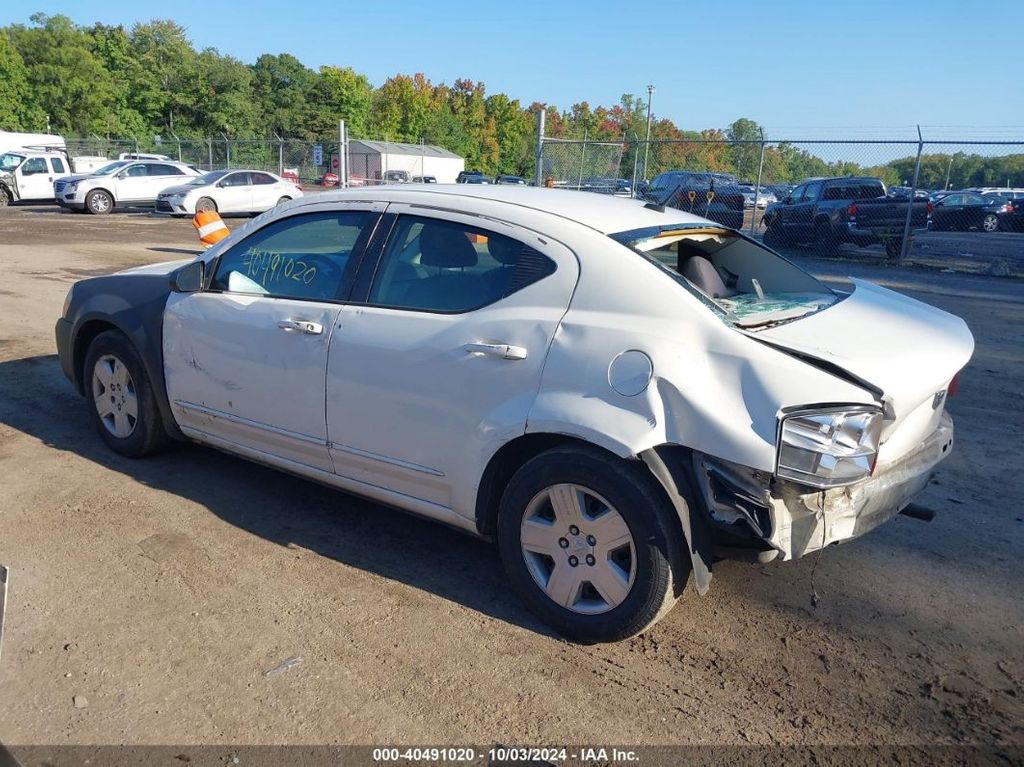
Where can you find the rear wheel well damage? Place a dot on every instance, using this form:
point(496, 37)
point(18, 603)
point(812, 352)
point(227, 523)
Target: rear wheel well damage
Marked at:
point(667, 465)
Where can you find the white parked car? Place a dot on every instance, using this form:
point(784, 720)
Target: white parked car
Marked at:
point(227, 191)
point(618, 393)
point(121, 183)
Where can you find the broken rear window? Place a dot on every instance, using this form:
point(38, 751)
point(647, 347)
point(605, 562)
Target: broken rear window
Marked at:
point(748, 285)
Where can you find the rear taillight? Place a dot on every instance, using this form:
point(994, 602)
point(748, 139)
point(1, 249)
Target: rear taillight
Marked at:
point(930, 207)
point(851, 210)
point(954, 385)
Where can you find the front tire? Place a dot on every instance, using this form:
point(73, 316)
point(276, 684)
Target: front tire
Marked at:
point(588, 541)
point(206, 205)
point(122, 401)
point(773, 237)
point(98, 202)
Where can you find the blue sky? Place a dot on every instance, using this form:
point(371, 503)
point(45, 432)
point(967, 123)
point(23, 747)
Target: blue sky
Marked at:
point(789, 65)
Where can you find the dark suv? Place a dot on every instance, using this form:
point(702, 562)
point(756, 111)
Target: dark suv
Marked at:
point(713, 195)
point(471, 177)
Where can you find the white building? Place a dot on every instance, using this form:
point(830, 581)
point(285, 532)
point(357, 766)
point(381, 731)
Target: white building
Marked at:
point(370, 160)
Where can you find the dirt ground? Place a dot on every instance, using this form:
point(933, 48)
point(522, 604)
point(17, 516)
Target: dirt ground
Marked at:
point(148, 599)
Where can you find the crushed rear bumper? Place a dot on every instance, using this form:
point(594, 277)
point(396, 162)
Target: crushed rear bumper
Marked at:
point(792, 519)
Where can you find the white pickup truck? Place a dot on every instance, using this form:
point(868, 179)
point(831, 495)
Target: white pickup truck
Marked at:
point(29, 174)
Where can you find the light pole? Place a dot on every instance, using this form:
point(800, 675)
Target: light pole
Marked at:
point(647, 141)
point(949, 168)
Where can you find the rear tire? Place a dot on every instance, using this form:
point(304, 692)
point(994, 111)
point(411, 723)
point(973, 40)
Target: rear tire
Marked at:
point(5, 198)
point(99, 203)
point(618, 527)
point(893, 248)
point(205, 205)
point(121, 398)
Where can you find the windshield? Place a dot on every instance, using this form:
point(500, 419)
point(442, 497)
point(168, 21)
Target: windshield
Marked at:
point(209, 178)
point(745, 283)
point(10, 161)
point(106, 170)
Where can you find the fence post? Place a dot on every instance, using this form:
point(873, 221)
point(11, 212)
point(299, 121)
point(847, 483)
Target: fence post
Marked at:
point(227, 150)
point(757, 186)
point(583, 157)
point(636, 161)
point(209, 147)
point(280, 154)
point(538, 160)
point(342, 159)
point(905, 244)
point(178, 142)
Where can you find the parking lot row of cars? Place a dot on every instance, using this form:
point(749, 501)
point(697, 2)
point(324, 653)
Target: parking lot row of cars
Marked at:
point(138, 180)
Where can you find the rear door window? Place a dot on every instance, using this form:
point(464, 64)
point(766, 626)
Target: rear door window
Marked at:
point(159, 169)
point(57, 164)
point(442, 266)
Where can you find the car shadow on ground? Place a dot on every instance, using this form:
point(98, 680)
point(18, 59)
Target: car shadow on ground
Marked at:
point(37, 400)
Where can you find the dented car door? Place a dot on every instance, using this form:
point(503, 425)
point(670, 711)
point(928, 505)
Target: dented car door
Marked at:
point(246, 359)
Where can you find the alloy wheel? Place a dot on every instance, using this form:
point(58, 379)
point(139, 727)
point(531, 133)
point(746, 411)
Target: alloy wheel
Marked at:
point(115, 397)
point(578, 549)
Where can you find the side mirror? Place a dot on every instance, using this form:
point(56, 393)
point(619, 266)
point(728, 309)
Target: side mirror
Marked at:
point(189, 278)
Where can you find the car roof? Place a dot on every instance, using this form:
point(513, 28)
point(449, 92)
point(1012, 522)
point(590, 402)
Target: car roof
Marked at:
point(604, 213)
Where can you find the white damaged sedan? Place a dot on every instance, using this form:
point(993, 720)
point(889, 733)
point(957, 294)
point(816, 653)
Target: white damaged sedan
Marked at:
point(227, 191)
point(617, 393)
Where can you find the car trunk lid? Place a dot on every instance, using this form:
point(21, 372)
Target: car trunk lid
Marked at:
point(904, 350)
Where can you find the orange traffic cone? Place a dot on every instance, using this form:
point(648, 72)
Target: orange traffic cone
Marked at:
point(210, 227)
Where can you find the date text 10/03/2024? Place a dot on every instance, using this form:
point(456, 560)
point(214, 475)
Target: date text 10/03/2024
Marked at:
point(506, 754)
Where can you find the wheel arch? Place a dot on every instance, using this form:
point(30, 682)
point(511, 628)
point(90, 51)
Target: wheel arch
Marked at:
point(133, 307)
point(667, 465)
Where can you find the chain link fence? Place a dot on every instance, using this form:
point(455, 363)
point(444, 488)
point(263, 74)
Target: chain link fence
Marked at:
point(280, 156)
point(753, 182)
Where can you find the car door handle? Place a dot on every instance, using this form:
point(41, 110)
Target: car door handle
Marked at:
point(504, 351)
point(312, 328)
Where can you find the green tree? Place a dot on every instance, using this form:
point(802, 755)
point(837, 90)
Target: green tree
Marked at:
point(284, 91)
point(66, 81)
point(746, 153)
point(18, 109)
point(341, 94)
point(163, 74)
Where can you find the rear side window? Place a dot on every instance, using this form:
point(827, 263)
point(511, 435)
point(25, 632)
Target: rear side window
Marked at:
point(57, 164)
point(441, 266)
point(159, 169)
point(306, 257)
point(262, 178)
